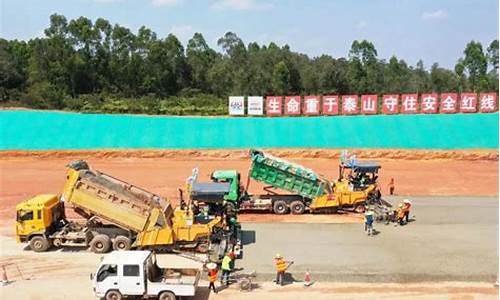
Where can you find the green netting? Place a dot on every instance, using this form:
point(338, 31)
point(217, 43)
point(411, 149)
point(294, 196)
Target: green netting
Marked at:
point(38, 130)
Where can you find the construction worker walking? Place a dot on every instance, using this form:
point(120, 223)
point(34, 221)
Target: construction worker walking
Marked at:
point(281, 267)
point(212, 276)
point(391, 186)
point(226, 267)
point(369, 216)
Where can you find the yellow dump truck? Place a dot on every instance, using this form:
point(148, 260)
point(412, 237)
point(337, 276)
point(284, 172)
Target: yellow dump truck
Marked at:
point(116, 215)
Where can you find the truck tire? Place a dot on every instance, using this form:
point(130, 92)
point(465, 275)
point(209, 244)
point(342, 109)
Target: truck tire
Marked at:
point(167, 296)
point(113, 295)
point(280, 207)
point(122, 243)
point(297, 207)
point(39, 244)
point(100, 244)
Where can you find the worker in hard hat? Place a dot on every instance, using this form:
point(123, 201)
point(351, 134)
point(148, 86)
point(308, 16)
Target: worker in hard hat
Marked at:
point(391, 186)
point(406, 207)
point(369, 217)
point(226, 267)
point(281, 266)
point(401, 213)
point(212, 276)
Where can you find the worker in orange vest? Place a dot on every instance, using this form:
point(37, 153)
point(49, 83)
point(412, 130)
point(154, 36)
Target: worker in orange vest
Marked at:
point(281, 266)
point(406, 207)
point(391, 186)
point(212, 276)
point(401, 214)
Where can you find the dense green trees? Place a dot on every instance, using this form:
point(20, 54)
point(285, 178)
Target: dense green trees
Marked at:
point(96, 66)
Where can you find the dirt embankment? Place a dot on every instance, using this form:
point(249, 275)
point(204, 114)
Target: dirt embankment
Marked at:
point(479, 154)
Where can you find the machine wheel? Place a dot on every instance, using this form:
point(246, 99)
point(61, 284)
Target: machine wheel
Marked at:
point(167, 296)
point(57, 243)
point(100, 244)
point(122, 243)
point(280, 207)
point(297, 207)
point(113, 295)
point(202, 247)
point(359, 208)
point(39, 244)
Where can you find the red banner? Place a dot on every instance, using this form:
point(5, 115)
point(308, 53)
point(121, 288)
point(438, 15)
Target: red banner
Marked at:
point(409, 103)
point(273, 105)
point(311, 105)
point(292, 105)
point(330, 105)
point(468, 102)
point(487, 102)
point(429, 103)
point(448, 103)
point(390, 104)
point(369, 104)
point(350, 105)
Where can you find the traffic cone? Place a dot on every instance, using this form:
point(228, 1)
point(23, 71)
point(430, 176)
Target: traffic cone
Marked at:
point(307, 279)
point(5, 280)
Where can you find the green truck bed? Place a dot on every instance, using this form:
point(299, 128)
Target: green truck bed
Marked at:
point(288, 176)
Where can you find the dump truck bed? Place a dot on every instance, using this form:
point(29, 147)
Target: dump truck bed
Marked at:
point(92, 193)
point(287, 176)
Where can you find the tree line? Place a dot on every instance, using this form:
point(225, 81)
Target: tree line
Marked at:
point(89, 66)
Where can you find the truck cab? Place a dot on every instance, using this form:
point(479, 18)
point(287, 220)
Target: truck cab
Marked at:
point(37, 218)
point(136, 273)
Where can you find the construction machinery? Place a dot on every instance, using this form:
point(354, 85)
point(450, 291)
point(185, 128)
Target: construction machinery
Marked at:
point(116, 215)
point(304, 190)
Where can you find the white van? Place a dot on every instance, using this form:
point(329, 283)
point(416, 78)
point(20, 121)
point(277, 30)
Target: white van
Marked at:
point(136, 273)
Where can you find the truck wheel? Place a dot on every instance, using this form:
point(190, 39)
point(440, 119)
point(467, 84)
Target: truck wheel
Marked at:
point(100, 244)
point(113, 295)
point(122, 243)
point(39, 244)
point(297, 207)
point(57, 243)
point(280, 207)
point(167, 296)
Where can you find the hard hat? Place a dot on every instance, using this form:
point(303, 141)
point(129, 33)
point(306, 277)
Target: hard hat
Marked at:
point(406, 201)
point(277, 255)
point(211, 266)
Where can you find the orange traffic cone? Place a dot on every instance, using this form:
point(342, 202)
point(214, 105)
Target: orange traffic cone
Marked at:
point(307, 279)
point(5, 280)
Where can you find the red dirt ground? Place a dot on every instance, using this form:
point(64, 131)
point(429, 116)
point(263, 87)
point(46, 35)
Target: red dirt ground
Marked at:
point(23, 175)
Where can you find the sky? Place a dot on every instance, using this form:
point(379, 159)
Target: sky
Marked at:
point(431, 30)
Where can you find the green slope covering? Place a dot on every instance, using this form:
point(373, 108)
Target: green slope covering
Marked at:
point(38, 130)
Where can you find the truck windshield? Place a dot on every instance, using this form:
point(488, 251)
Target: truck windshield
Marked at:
point(105, 271)
point(24, 215)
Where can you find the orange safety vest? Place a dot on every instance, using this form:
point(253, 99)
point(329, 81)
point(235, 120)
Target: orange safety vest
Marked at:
point(280, 265)
point(401, 213)
point(212, 276)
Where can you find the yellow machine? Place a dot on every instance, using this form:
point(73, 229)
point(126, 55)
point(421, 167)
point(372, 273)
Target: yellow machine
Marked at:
point(356, 187)
point(117, 214)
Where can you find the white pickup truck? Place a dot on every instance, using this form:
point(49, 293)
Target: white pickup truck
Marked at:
point(136, 273)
